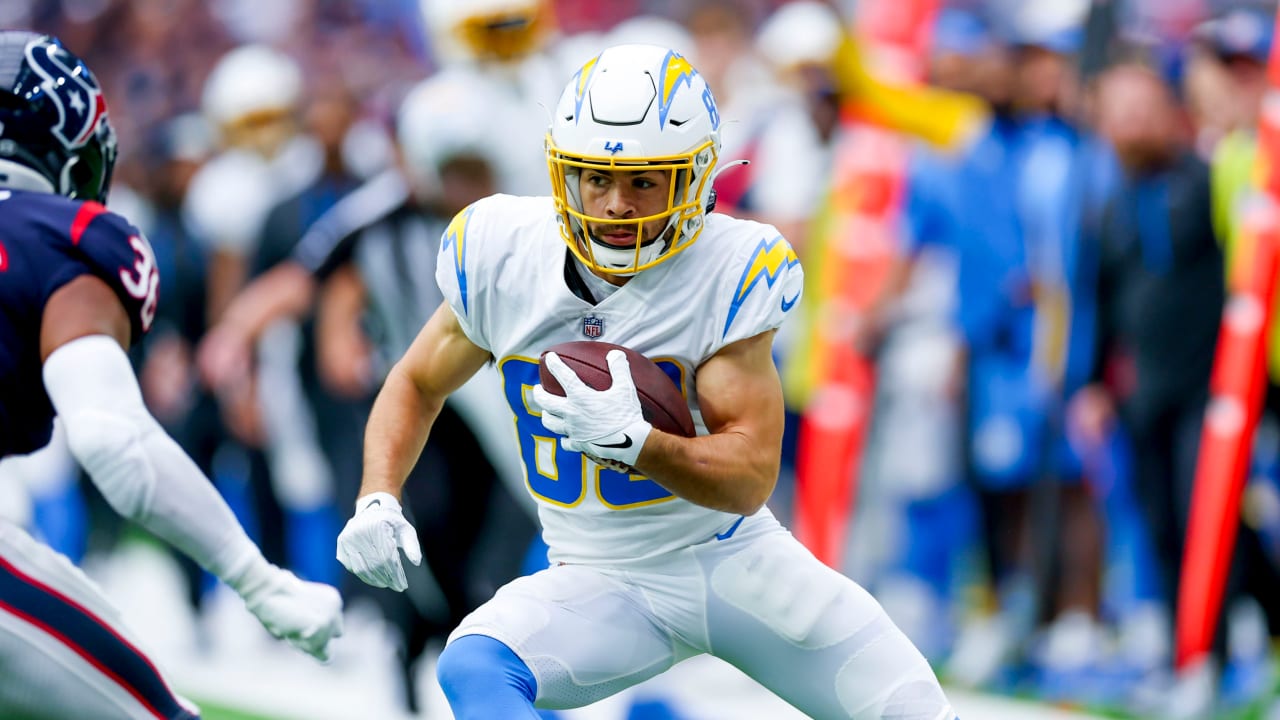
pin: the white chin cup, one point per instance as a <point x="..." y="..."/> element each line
<point x="622" y="258"/>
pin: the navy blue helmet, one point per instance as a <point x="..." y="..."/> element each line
<point x="54" y="131"/>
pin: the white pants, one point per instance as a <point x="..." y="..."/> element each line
<point x="756" y="599"/>
<point x="64" y="652"/>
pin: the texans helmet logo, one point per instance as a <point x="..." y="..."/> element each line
<point x="76" y="94"/>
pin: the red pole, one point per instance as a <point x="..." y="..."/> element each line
<point x="1236" y="393"/>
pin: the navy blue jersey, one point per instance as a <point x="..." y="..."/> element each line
<point x="45" y="242"/>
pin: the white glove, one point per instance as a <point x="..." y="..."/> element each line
<point x="307" y="615"/>
<point x="605" y="424"/>
<point x="369" y="546"/>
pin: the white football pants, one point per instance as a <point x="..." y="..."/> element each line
<point x="756" y="599"/>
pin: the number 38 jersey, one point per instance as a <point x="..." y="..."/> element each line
<point x="502" y="269"/>
<point x="47" y="241"/>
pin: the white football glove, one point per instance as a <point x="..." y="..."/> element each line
<point x="605" y="424"/>
<point x="369" y="546"/>
<point x="307" y="615"/>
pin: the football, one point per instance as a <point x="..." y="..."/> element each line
<point x="660" y="400"/>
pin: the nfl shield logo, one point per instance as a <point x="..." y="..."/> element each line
<point x="592" y="326"/>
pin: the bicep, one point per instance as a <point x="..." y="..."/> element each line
<point x="739" y="391"/>
<point x="442" y="358"/>
<point x="84" y="306"/>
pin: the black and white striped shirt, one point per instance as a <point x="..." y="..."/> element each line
<point x="393" y="243"/>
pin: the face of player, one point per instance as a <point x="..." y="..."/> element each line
<point x="620" y="196"/>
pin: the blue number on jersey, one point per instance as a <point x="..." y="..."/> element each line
<point x="557" y="475"/>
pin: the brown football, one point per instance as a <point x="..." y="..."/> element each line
<point x="660" y="400"/>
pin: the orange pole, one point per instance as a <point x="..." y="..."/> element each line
<point x="1237" y="389"/>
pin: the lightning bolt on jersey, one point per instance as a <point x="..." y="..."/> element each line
<point x="502" y="269"/>
<point x="47" y="241"/>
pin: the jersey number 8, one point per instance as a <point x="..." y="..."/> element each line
<point x="560" y="476"/>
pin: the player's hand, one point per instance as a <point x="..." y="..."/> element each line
<point x="224" y="356"/>
<point x="369" y="546"/>
<point x="306" y="615"/>
<point x="605" y="424"/>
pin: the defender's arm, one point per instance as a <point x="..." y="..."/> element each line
<point x="145" y="475"/>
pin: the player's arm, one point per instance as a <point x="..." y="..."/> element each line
<point x="146" y="477"/>
<point x="735" y="467"/>
<point x="285" y="290"/>
<point x="343" y="352"/>
<point x="438" y="362"/>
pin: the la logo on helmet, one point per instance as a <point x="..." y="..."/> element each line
<point x="77" y="96"/>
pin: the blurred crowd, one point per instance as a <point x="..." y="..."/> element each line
<point x="1043" y="334"/>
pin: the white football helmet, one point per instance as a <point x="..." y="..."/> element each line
<point x="455" y="112"/>
<point x="635" y="107"/>
<point x="251" y="80"/>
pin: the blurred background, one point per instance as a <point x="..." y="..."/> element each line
<point x="1016" y="414"/>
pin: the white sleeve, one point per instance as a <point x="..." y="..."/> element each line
<point x="140" y="470"/>
<point x="457" y="272"/>
<point x="760" y="287"/>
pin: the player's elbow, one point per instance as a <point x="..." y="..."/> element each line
<point x="756" y="490"/>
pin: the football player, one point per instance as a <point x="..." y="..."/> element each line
<point x="680" y="557"/>
<point x="79" y="285"/>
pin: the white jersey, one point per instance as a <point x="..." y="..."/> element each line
<point x="502" y="268"/>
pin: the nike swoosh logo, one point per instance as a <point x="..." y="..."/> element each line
<point x="788" y="304"/>
<point x="375" y="501"/>
<point x="626" y="443"/>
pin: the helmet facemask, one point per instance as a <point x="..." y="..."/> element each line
<point x="683" y="214"/>
<point x="504" y="36"/>
<point x="633" y="109"/>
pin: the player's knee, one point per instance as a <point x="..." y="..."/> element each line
<point x="920" y="699"/>
<point x="476" y="668"/>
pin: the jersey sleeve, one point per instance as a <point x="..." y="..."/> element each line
<point x="459" y="270"/>
<point x="761" y="286"/>
<point x="118" y="253"/>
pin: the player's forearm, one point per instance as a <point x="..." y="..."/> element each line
<point x="726" y="471"/>
<point x="139" y="469"/>
<point x="285" y="291"/>
<point x="398" y="426"/>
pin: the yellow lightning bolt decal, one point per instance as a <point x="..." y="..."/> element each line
<point x="676" y="69"/>
<point x="455" y="239"/>
<point x="768" y="261"/>
<point x="583" y="77"/>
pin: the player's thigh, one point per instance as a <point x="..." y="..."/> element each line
<point x="583" y="634"/>
<point x="64" y="651"/>
<point x="812" y="635"/>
